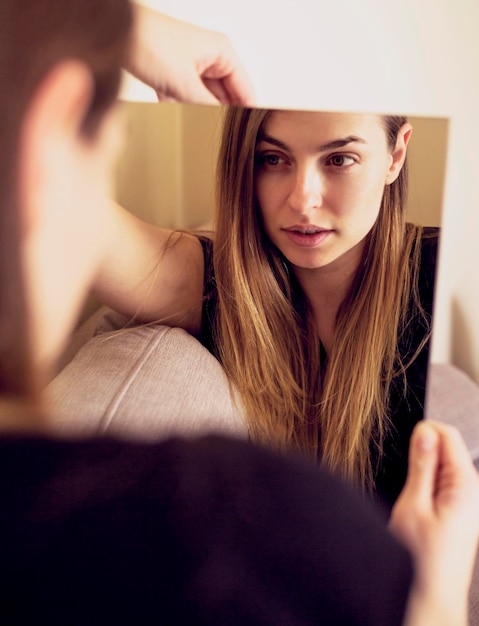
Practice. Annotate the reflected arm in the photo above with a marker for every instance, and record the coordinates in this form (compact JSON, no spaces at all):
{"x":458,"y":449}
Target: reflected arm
{"x":150,"y":273}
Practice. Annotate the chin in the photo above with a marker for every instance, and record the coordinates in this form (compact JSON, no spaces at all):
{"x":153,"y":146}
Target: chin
{"x":309,"y":264}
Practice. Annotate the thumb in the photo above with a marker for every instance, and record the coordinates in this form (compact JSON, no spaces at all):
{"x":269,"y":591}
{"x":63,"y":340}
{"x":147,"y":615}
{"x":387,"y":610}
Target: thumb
{"x":423,"y":466}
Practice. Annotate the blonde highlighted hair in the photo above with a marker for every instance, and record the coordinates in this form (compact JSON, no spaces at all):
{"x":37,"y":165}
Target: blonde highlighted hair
{"x":267,"y":342}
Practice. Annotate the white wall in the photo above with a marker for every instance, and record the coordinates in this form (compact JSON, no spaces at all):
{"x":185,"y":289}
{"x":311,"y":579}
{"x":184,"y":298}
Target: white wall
{"x":415,"y":56}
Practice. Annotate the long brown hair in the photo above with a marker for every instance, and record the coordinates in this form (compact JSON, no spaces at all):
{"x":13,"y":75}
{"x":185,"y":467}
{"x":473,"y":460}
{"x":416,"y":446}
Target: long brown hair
{"x":36,"y":35}
{"x":266,"y":339}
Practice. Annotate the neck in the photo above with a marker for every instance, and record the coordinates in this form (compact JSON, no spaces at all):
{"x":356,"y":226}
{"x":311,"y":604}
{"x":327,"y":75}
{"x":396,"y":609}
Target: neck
{"x":326,"y":288}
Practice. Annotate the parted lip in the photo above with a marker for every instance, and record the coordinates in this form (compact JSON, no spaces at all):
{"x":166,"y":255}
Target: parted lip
{"x":306,"y":229}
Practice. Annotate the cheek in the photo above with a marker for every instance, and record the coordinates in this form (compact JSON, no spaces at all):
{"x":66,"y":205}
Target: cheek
{"x":265,"y":196}
{"x":360,"y":199}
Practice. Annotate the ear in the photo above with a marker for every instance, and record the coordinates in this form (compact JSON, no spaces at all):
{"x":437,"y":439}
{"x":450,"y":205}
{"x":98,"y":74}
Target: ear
{"x":62,"y":99}
{"x":52,"y":126}
{"x":399,"y":152}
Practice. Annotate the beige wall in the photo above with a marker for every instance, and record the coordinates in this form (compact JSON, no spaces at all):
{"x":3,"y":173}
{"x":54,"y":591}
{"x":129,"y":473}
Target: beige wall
{"x":427,"y":169}
{"x":165,"y":173}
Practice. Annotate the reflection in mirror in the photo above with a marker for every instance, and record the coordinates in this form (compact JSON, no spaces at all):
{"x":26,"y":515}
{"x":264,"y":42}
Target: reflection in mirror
{"x":323,"y":263}
{"x":166,"y":174}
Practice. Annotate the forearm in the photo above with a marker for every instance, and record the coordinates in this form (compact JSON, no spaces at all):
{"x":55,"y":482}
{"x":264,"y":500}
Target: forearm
{"x":186,"y":63}
{"x":429,"y":608}
{"x":440,"y":591}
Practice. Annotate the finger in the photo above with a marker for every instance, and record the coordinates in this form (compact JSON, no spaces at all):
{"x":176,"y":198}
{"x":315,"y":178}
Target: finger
{"x":454,"y":452}
{"x":162,"y":97}
{"x":458,"y":480}
{"x":196,"y":91}
{"x":239,"y":88}
{"x":224,"y":65}
{"x":232,"y":81}
{"x":423,"y":465}
{"x":216,"y":87}
{"x":188,"y":88}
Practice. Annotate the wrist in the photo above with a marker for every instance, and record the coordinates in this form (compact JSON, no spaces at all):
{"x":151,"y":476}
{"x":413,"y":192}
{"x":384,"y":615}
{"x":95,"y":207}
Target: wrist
{"x":425,"y":607}
{"x":438,"y":598}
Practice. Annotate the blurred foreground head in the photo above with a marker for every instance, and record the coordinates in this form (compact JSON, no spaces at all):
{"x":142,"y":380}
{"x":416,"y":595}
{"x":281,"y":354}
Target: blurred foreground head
{"x":36,"y":37}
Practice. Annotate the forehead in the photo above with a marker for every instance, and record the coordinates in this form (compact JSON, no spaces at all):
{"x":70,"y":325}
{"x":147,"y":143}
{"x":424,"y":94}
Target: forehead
{"x":316,"y":128}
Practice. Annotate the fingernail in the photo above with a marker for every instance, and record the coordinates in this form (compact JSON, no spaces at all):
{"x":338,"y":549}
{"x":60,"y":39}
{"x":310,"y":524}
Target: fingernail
{"x":426,"y":438}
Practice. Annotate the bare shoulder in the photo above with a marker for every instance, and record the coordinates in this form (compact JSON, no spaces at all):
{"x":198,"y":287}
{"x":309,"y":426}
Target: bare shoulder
{"x":151,"y":274}
{"x":175,"y":293}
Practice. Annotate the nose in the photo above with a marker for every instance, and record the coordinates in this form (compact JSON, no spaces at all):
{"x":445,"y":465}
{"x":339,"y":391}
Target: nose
{"x":306,"y":192}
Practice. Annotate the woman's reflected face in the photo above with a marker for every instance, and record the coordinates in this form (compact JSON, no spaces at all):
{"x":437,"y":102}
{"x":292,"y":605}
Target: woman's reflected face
{"x":319,"y":181}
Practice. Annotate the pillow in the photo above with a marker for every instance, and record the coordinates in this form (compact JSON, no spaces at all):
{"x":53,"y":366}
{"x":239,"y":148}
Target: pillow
{"x":453,"y":397}
{"x":146,"y":382}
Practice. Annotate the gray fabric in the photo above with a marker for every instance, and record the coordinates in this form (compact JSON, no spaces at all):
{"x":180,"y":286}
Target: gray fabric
{"x":147,"y":382}
{"x":454,"y":398}
{"x":474,"y":596}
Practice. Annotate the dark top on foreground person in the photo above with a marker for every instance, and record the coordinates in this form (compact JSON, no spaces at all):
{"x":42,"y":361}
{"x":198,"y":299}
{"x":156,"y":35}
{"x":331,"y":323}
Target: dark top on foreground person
{"x":211,"y":531}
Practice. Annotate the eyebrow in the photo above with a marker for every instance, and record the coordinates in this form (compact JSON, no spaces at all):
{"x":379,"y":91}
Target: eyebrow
{"x":331,"y":145}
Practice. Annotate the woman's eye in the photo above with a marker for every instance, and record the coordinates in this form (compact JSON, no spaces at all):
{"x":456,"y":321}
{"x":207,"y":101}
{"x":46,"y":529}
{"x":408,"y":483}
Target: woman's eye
{"x":271,"y":161}
{"x":340,"y":160}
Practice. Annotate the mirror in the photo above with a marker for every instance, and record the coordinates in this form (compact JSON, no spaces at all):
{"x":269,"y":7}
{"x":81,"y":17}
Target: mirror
{"x":166,"y":177}
{"x":166,"y":173}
